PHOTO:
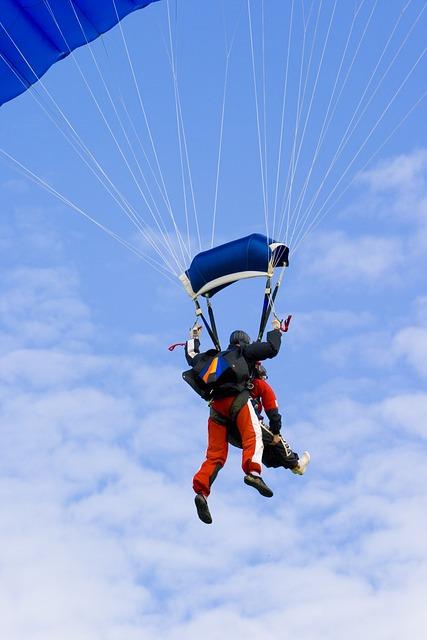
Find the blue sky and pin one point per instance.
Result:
(100, 437)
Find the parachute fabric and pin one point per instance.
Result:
(249, 257)
(33, 36)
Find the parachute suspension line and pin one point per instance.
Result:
(123, 129)
(287, 196)
(212, 332)
(128, 210)
(153, 146)
(265, 308)
(286, 193)
(276, 291)
(179, 130)
(282, 120)
(350, 129)
(264, 106)
(102, 176)
(187, 156)
(318, 218)
(308, 115)
(119, 148)
(212, 320)
(221, 131)
(261, 161)
(51, 190)
(117, 82)
(269, 300)
(135, 132)
(228, 49)
(182, 139)
(368, 137)
(327, 120)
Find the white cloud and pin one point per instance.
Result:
(99, 541)
(42, 368)
(40, 306)
(398, 188)
(404, 173)
(15, 185)
(421, 310)
(366, 259)
(408, 411)
(411, 344)
(309, 326)
(99, 533)
(143, 339)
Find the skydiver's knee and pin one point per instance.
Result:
(216, 459)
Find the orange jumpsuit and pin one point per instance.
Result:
(249, 427)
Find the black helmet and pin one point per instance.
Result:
(260, 371)
(240, 338)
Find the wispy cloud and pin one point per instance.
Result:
(99, 532)
(357, 259)
(411, 345)
(397, 193)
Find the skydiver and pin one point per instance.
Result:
(231, 400)
(277, 452)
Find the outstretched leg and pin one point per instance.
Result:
(216, 455)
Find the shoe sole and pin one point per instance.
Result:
(264, 491)
(203, 510)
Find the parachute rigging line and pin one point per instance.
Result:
(182, 141)
(327, 120)
(50, 189)
(350, 129)
(104, 118)
(153, 146)
(368, 137)
(102, 175)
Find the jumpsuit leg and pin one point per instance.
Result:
(250, 429)
(216, 455)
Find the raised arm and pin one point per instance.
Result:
(264, 350)
(192, 346)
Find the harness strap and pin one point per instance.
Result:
(237, 405)
(211, 330)
(219, 418)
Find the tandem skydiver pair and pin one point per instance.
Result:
(234, 383)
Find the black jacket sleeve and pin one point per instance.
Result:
(274, 420)
(263, 350)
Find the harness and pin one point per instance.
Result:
(239, 402)
(218, 374)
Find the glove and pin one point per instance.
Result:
(276, 323)
(195, 332)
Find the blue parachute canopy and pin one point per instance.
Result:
(34, 35)
(249, 257)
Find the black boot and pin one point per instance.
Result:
(202, 508)
(258, 483)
